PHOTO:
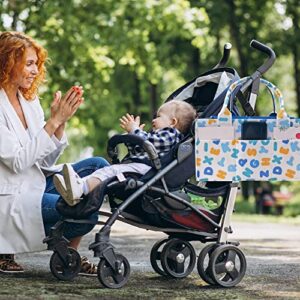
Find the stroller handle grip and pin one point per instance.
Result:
(267, 50)
(134, 140)
(226, 53)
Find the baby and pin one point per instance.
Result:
(173, 121)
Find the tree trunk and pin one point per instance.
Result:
(218, 45)
(136, 95)
(12, 6)
(153, 99)
(15, 21)
(297, 75)
(235, 33)
(196, 61)
(295, 51)
(234, 29)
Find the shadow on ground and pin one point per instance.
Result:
(140, 286)
(273, 272)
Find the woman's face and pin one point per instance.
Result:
(26, 70)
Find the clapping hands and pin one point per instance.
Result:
(129, 123)
(63, 108)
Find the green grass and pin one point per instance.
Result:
(245, 211)
(293, 208)
(255, 218)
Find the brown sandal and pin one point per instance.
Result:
(87, 267)
(8, 264)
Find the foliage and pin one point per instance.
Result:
(116, 50)
(130, 55)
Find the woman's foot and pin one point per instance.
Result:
(70, 185)
(87, 267)
(8, 264)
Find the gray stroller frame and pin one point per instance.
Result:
(226, 262)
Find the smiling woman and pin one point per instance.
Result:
(29, 148)
(17, 51)
(29, 70)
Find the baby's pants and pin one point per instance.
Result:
(115, 170)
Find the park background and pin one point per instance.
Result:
(129, 55)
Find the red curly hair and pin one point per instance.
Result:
(12, 49)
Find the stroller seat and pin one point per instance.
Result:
(172, 210)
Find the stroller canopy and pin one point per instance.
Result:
(206, 93)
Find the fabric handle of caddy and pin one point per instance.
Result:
(225, 116)
(246, 105)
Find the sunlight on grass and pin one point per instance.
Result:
(245, 211)
(244, 217)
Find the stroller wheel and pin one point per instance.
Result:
(112, 278)
(178, 258)
(227, 265)
(203, 262)
(155, 257)
(68, 269)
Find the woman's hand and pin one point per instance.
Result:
(129, 123)
(62, 109)
(59, 132)
(55, 102)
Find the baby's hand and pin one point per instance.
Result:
(129, 123)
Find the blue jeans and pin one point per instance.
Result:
(49, 213)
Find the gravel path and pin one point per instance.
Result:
(273, 272)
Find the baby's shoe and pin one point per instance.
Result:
(74, 185)
(60, 185)
(72, 191)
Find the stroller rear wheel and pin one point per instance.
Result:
(203, 262)
(116, 277)
(65, 268)
(155, 257)
(227, 265)
(178, 258)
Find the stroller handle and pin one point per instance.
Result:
(267, 50)
(254, 80)
(226, 52)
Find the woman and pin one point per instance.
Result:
(29, 146)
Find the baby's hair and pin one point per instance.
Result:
(184, 113)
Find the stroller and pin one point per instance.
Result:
(160, 200)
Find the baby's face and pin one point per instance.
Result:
(163, 118)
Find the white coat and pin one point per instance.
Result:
(22, 182)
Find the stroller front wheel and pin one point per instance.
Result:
(65, 268)
(178, 258)
(116, 277)
(227, 265)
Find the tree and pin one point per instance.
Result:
(120, 51)
(292, 41)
